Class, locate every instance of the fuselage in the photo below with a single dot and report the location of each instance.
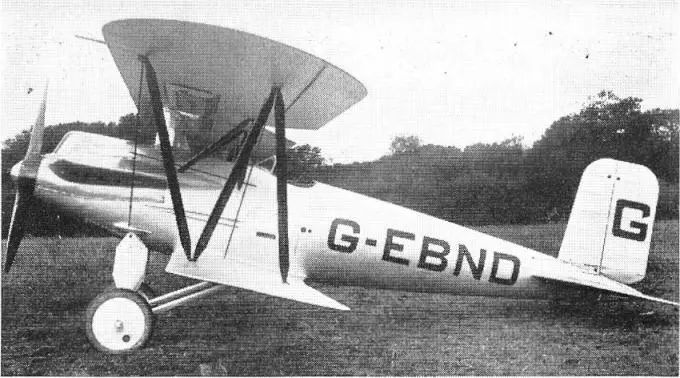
(334, 235)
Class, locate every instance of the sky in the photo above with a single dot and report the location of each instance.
(451, 72)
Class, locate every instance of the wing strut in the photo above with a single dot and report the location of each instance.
(281, 184)
(168, 159)
(223, 141)
(235, 175)
(275, 100)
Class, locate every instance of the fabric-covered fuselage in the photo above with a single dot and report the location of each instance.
(334, 235)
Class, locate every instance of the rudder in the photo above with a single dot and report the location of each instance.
(610, 226)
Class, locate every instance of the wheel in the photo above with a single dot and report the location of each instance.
(118, 321)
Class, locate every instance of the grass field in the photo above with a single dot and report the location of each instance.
(386, 333)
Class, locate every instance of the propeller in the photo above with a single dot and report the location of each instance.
(25, 174)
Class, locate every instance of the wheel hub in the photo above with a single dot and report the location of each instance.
(118, 323)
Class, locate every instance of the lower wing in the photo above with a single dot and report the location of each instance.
(237, 273)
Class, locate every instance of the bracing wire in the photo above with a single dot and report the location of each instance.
(134, 154)
(238, 210)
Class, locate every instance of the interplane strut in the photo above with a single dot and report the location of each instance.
(281, 184)
(168, 159)
(235, 175)
(275, 100)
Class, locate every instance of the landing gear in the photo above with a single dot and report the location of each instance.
(119, 321)
(144, 290)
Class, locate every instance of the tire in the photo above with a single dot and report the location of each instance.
(118, 321)
(144, 290)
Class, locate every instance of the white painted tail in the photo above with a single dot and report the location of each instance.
(610, 227)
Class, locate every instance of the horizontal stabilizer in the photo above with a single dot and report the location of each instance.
(574, 275)
(233, 272)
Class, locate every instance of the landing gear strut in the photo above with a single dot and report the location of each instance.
(121, 319)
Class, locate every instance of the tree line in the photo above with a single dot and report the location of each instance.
(502, 182)
(505, 182)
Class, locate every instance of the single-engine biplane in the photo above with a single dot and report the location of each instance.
(213, 193)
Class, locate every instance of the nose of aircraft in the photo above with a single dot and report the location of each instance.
(25, 174)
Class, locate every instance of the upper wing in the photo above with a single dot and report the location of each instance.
(227, 74)
(571, 274)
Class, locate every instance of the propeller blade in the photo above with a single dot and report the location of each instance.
(25, 180)
(16, 227)
(35, 144)
(281, 184)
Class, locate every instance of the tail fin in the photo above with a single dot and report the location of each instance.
(610, 227)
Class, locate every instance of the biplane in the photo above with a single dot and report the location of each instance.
(213, 193)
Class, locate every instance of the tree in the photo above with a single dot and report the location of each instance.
(129, 127)
(303, 161)
(607, 127)
(405, 144)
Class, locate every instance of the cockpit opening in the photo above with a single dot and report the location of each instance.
(189, 116)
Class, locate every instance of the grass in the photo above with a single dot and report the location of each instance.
(386, 333)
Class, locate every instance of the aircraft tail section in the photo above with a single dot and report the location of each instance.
(573, 275)
(610, 227)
